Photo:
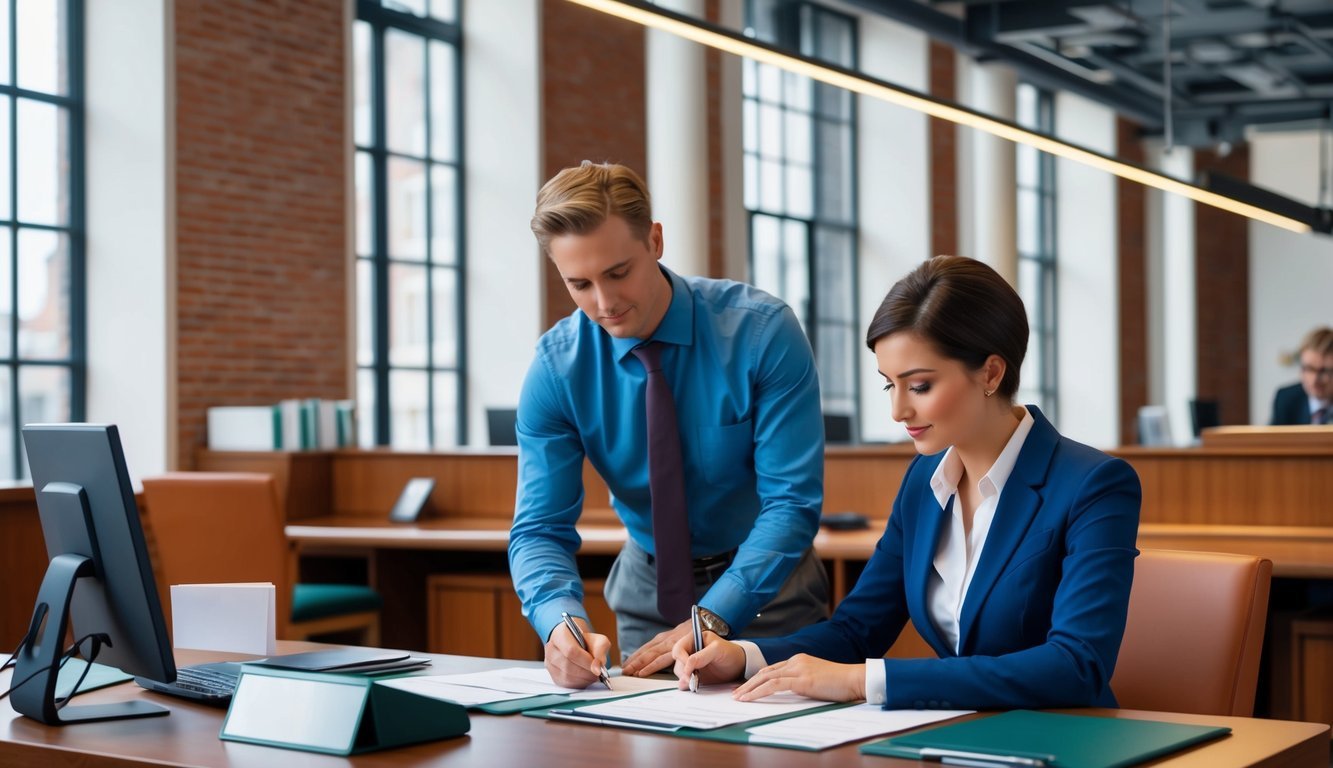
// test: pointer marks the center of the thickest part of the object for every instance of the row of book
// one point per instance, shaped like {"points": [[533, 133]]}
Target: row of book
{"points": [[289, 425]]}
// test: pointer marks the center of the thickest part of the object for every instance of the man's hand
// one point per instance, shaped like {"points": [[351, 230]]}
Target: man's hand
{"points": [[720, 661], [655, 655], [808, 676], [569, 664]]}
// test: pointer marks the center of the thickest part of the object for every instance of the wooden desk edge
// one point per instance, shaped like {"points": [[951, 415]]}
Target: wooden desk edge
{"points": [[1296, 551]]}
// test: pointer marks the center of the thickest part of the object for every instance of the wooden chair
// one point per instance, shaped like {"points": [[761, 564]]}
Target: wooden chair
{"points": [[1194, 634], [211, 527]]}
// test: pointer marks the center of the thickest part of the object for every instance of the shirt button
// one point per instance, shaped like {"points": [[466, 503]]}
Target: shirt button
{"points": [[934, 704], [919, 704], [945, 705]]}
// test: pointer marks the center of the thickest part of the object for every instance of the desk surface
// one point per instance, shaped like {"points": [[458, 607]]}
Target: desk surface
{"points": [[189, 736], [1296, 551]]}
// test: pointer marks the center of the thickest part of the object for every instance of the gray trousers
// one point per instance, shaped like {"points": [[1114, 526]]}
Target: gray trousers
{"points": [[631, 591]]}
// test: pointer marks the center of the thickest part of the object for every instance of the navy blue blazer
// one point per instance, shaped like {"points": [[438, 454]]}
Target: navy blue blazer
{"points": [[1043, 617], [1291, 406]]}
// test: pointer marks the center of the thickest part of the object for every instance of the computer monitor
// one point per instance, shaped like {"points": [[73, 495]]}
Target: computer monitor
{"points": [[100, 578], [837, 428], [1204, 414], [500, 426]]}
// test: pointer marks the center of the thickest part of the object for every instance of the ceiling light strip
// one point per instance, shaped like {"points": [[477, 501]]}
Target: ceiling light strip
{"points": [[730, 42]]}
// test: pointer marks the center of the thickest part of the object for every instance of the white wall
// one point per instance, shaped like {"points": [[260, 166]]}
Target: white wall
{"points": [[1290, 274], [677, 113], [501, 51], [894, 177], [987, 195], [131, 233], [1172, 303], [1086, 278]]}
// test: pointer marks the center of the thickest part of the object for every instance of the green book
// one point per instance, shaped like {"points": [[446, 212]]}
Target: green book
{"points": [[1034, 739]]}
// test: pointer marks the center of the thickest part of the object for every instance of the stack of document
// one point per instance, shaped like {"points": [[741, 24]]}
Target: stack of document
{"points": [[712, 707], [513, 683]]}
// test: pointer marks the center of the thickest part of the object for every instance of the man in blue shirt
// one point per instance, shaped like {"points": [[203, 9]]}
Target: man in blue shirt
{"points": [[746, 396]]}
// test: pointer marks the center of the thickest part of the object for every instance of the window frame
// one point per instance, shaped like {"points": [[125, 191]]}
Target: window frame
{"points": [[1043, 298], [793, 30], [74, 228], [382, 19]]}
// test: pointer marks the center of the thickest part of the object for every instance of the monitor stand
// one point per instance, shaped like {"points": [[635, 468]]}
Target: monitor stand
{"points": [[40, 655]]}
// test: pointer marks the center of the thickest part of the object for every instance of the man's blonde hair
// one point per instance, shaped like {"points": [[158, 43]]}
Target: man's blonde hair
{"points": [[1320, 341], [577, 200]]}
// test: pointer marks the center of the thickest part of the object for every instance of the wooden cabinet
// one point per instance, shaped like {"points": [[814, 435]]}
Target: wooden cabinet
{"points": [[1311, 669], [479, 615]]}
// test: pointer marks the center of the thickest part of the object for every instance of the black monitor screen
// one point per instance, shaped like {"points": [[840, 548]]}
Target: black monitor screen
{"points": [[87, 509]]}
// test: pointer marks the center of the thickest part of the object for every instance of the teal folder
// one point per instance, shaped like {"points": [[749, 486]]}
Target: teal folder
{"points": [[1059, 741], [730, 734], [334, 714]]}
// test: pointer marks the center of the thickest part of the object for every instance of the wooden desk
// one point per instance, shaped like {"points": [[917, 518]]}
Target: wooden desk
{"points": [[1296, 551], [189, 736]]}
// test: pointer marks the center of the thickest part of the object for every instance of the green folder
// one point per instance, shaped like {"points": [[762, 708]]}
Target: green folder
{"points": [[1050, 739], [730, 734], [333, 713]]}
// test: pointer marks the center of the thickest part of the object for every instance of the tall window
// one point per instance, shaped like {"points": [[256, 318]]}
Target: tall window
{"points": [[41, 219], [800, 186], [1036, 251], [411, 354]]}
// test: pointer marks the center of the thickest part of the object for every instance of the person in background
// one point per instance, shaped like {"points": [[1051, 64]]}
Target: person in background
{"points": [[697, 402], [1010, 547], [1309, 401]]}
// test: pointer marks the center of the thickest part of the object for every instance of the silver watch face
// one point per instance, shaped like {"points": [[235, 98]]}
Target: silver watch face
{"points": [[713, 623]]}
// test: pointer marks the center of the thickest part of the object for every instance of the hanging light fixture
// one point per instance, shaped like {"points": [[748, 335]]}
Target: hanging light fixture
{"points": [[722, 39]]}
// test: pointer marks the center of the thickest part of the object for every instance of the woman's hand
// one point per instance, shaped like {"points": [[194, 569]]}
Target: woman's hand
{"points": [[720, 661], [808, 676]]}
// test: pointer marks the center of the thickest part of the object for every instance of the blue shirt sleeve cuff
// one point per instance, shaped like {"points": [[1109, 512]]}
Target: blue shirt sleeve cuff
{"points": [[731, 603], [546, 617]]}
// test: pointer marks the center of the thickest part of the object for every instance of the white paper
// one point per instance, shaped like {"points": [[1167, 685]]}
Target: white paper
{"points": [[236, 618], [839, 726], [711, 707], [536, 681], [436, 688]]}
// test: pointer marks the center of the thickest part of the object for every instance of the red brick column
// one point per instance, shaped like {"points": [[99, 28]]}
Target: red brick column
{"points": [[1222, 288], [1131, 244], [943, 156], [261, 271], [594, 106]]}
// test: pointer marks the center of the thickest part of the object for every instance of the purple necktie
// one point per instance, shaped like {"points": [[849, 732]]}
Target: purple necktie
{"points": [[666, 483], [1320, 416]]}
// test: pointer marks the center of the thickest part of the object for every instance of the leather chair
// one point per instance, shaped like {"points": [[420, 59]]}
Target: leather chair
{"points": [[211, 527], [1194, 633]]}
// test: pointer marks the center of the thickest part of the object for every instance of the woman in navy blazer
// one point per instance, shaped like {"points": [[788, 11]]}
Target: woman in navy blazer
{"points": [[1010, 547]]}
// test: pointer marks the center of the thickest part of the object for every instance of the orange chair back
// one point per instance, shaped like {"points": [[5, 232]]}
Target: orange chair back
{"points": [[213, 527], [1194, 633]]}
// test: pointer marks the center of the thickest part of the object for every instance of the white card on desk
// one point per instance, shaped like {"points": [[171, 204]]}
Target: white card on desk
{"points": [[238, 618]]}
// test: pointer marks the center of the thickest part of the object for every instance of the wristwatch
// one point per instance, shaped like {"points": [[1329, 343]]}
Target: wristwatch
{"points": [[713, 623]]}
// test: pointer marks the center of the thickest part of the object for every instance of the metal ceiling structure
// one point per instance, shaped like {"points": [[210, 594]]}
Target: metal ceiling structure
{"points": [[1232, 63]]}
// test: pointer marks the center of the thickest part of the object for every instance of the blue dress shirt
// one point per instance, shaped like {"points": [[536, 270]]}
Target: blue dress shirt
{"points": [[752, 439]]}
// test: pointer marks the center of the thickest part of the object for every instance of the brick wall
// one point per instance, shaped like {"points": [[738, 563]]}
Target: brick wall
{"points": [[594, 106], [260, 202], [1131, 244], [717, 208], [943, 156], [1222, 279]]}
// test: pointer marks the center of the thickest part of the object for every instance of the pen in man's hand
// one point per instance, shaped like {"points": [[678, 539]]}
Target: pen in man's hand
{"points": [[698, 643], [578, 635]]}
